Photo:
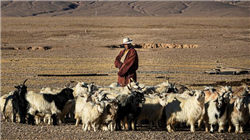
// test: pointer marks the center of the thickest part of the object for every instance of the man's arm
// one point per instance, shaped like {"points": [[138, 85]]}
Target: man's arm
{"points": [[118, 62], [128, 63]]}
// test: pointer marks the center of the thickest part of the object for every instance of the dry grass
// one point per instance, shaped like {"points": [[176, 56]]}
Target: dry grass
{"points": [[78, 47]]}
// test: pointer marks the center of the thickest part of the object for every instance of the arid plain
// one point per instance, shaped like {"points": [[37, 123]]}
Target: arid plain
{"points": [[78, 45]]}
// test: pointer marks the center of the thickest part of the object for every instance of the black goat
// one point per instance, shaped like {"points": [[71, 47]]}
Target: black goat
{"points": [[19, 102], [130, 108]]}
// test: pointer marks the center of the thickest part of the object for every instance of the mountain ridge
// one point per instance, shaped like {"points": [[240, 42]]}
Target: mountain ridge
{"points": [[125, 8]]}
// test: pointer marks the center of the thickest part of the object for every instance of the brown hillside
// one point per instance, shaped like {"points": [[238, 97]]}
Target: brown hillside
{"points": [[145, 8]]}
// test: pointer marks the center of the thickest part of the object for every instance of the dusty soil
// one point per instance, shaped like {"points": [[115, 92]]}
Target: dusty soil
{"points": [[69, 131], [77, 46]]}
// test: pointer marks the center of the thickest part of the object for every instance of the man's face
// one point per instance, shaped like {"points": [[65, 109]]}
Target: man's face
{"points": [[126, 46]]}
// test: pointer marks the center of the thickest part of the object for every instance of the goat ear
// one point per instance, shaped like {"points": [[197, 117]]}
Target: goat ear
{"points": [[67, 85], [216, 100], [72, 81], [88, 99]]}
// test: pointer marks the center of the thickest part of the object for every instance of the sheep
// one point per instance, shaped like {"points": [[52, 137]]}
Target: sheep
{"points": [[187, 110], [152, 110], [129, 107], [238, 114]]}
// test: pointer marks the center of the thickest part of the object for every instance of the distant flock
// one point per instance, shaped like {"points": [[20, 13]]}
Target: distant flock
{"points": [[112, 107]]}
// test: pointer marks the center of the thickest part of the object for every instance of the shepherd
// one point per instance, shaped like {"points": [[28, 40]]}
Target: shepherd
{"points": [[127, 63]]}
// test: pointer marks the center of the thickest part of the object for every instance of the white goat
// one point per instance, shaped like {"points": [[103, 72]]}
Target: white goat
{"points": [[82, 89], [152, 110], [187, 110], [164, 87], [91, 113], [239, 114], [7, 113]]}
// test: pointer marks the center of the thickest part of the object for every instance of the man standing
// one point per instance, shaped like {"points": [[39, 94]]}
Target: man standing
{"points": [[127, 63]]}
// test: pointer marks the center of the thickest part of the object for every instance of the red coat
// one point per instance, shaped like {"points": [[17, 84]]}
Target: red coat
{"points": [[127, 69]]}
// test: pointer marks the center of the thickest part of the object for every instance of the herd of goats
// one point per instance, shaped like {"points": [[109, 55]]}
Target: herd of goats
{"points": [[113, 107]]}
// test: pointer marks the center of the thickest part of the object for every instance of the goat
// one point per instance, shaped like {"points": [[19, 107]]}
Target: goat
{"points": [[187, 110], [216, 112], [152, 110], [29, 102], [129, 107], [68, 109], [211, 96], [107, 120], [6, 106], [238, 114], [80, 100], [164, 87], [19, 103], [91, 113], [84, 88]]}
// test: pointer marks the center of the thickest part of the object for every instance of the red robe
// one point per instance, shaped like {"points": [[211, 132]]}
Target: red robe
{"points": [[127, 69]]}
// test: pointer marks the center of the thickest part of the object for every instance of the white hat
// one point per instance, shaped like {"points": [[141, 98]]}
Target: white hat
{"points": [[127, 41]]}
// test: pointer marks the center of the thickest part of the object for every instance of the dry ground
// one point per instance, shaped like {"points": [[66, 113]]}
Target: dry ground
{"points": [[70, 131], [78, 46]]}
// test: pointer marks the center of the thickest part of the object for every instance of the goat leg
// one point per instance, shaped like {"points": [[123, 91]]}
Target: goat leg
{"points": [[135, 122], [241, 129], [14, 115], [118, 125], [129, 124], [54, 119], [31, 119]]}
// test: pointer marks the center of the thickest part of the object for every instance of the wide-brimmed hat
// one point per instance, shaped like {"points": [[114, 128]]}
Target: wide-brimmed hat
{"points": [[126, 41]]}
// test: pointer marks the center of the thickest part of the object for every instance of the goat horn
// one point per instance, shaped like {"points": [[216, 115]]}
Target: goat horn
{"points": [[129, 86], [131, 79], [25, 81]]}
